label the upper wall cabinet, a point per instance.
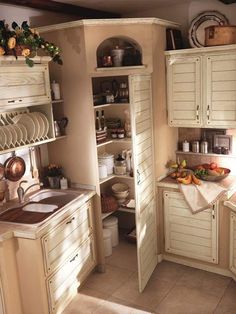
(201, 86)
(22, 86)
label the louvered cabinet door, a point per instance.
(184, 91)
(187, 234)
(220, 93)
(144, 178)
(233, 243)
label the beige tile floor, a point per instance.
(172, 289)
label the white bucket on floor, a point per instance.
(112, 224)
(107, 242)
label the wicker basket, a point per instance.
(109, 204)
(220, 35)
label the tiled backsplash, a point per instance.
(191, 134)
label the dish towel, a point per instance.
(200, 197)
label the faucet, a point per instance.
(21, 192)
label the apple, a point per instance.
(213, 165)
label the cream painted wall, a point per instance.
(185, 12)
(11, 13)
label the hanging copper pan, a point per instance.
(14, 168)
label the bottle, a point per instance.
(98, 122)
(185, 146)
(109, 97)
(103, 121)
(204, 147)
(56, 90)
(63, 183)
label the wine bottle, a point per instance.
(103, 121)
(98, 122)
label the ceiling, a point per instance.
(122, 6)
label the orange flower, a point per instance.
(2, 51)
(11, 42)
(25, 52)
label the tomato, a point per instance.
(213, 165)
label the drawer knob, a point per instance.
(72, 260)
(70, 221)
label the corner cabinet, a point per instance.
(140, 143)
(187, 234)
(201, 87)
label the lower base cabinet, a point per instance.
(52, 267)
(233, 243)
(187, 234)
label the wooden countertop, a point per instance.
(33, 231)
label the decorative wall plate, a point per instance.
(197, 28)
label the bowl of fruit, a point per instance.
(211, 172)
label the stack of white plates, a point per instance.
(26, 128)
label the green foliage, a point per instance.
(28, 40)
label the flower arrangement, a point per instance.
(25, 41)
(53, 170)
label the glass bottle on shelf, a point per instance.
(103, 121)
(98, 122)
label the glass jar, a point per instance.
(195, 147)
(120, 133)
(120, 165)
(123, 92)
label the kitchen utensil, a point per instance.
(14, 168)
(199, 23)
(216, 178)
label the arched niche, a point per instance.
(132, 52)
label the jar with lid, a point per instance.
(121, 133)
(120, 165)
(109, 97)
(195, 146)
(123, 92)
(185, 146)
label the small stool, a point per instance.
(107, 242)
(112, 224)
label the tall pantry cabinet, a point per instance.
(80, 42)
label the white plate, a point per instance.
(18, 132)
(41, 124)
(23, 131)
(8, 136)
(196, 32)
(13, 134)
(3, 138)
(36, 124)
(28, 123)
(46, 124)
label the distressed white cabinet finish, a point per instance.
(144, 176)
(233, 243)
(52, 267)
(187, 234)
(202, 87)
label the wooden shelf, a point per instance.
(121, 140)
(120, 209)
(207, 155)
(112, 176)
(110, 69)
(57, 101)
(117, 104)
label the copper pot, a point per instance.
(14, 168)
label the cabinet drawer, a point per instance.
(63, 240)
(62, 286)
(22, 85)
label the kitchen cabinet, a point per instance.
(52, 266)
(25, 90)
(201, 87)
(141, 185)
(187, 234)
(233, 243)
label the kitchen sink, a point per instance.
(41, 195)
(39, 206)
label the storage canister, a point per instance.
(185, 146)
(107, 242)
(112, 224)
(108, 160)
(204, 147)
(195, 147)
(102, 170)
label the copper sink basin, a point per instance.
(40, 206)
